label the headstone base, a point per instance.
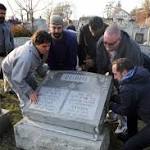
(4, 121)
(29, 136)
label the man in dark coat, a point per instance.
(134, 101)
(116, 44)
(63, 51)
(70, 25)
(6, 41)
(87, 40)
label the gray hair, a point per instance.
(113, 30)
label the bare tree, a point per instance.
(146, 6)
(48, 15)
(30, 7)
(108, 9)
(63, 9)
(26, 6)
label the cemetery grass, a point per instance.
(9, 102)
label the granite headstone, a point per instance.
(71, 107)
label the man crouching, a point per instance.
(20, 65)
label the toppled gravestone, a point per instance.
(69, 114)
(145, 49)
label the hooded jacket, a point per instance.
(20, 65)
(134, 94)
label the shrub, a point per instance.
(20, 31)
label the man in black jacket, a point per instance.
(134, 101)
(116, 44)
(87, 40)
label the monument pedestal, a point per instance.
(33, 136)
(4, 120)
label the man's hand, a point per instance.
(34, 97)
(89, 63)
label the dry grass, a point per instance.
(9, 102)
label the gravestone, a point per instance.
(69, 114)
(145, 49)
(139, 38)
(18, 41)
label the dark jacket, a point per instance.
(8, 39)
(128, 48)
(135, 95)
(87, 43)
(71, 27)
(63, 53)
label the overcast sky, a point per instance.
(80, 7)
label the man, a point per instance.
(134, 101)
(20, 65)
(6, 37)
(87, 40)
(70, 25)
(63, 52)
(116, 44)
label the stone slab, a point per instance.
(30, 136)
(4, 121)
(145, 49)
(76, 100)
(18, 41)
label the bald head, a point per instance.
(112, 37)
(113, 30)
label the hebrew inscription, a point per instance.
(75, 78)
(80, 105)
(50, 99)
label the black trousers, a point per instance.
(140, 140)
(1, 73)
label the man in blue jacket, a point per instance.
(63, 51)
(6, 37)
(134, 101)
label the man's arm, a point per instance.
(126, 104)
(133, 52)
(72, 48)
(12, 40)
(81, 48)
(102, 60)
(18, 78)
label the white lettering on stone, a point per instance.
(75, 78)
(81, 105)
(50, 99)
